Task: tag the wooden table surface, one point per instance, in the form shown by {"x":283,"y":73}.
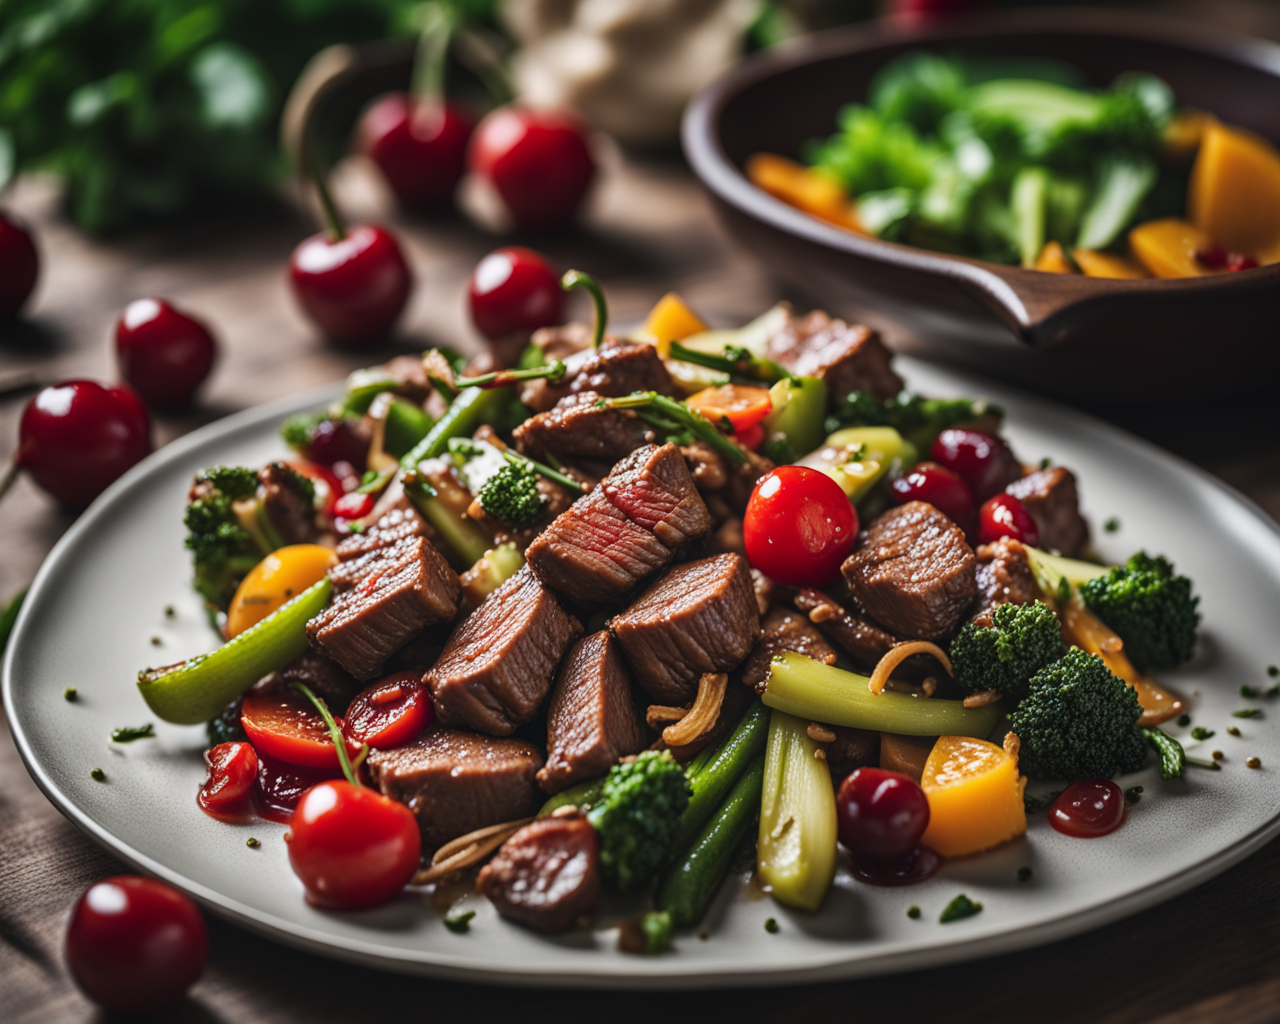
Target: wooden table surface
{"x":1211,"y":954}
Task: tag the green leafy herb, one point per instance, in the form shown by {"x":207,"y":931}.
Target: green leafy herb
{"x":1247,"y":713}
{"x":913,"y":913}
{"x":1133,"y":794}
{"x":1172,"y":757}
{"x":1035,"y":804}
{"x":128,"y":735}
{"x":1273,"y":670}
{"x":459,"y":923}
{"x":252,"y":843}
{"x":1111,"y":525}
{"x":1184,"y":720}
{"x":1201,"y":733}
{"x":1248,"y":692}
{"x":1024,"y":874}
{"x":97,"y":774}
{"x":960,"y":908}
{"x":70,"y":694}
{"x":771,"y":926}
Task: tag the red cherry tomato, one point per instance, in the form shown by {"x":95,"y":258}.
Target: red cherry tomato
{"x":1088,"y":809}
{"x":19,"y":266}
{"x":352,"y":847}
{"x":942,"y":489}
{"x":538,"y":161}
{"x":353,"y":506}
{"x":421,"y":150}
{"x":880,"y":815}
{"x":334,"y":441}
{"x":982,"y":460}
{"x":751,"y":438}
{"x":741,"y":404}
{"x":515,"y":289}
{"x":164,"y":355}
{"x":283,"y":724}
{"x":329,"y":487}
{"x":280,"y":786}
{"x":76,"y":437}
{"x":799,"y":526}
{"x":233,"y":770}
{"x":135,"y":945}
{"x":1005,"y":516}
{"x":354,"y":288}
{"x":389,"y":713}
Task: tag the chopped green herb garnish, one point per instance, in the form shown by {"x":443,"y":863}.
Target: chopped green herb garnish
{"x":1046,"y":462}
{"x":97,"y":774}
{"x":1111,"y":525}
{"x":1133,"y":794}
{"x":656,"y":927}
{"x":252,"y":843}
{"x":1233,"y":730}
{"x":1201,"y":733}
{"x":1184,"y":720}
{"x":771,"y":926}
{"x":459,"y":923}
{"x":70,"y":693}
{"x":170,"y":611}
{"x":913,"y":913}
{"x":128,"y":735}
{"x":1248,"y":692}
{"x":1273,"y":671}
{"x":959,"y":908}
{"x":1196,"y":762}
{"x":1172,"y":757}
{"x":1246,"y":713}
{"x":1253,"y":762}
{"x":1218,"y":755}
{"x":1034,"y":804}
{"x":1024,"y":874}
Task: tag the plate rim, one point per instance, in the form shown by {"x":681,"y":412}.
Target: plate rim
{"x":658,"y":973}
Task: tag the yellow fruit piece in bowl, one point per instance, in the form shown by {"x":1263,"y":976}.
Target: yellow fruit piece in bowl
{"x":975,"y":796}
{"x":1234,"y":195}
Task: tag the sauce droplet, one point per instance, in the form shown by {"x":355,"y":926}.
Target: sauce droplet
{"x":1088,"y":809}
{"x":916,"y":866}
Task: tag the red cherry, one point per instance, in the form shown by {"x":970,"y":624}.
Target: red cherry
{"x":337,"y":440}
{"x":422,"y":152}
{"x":19,"y":265}
{"x":353,"y":288}
{"x":352,"y":847}
{"x":76,"y":437}
{"x":880,"y":815}
{"x":135,"y":945}
{"x":1005,"y":516}
{"x":942,"y":489}
{"x":538,"y":161}
{"x":799,"y":526}
{"x":515,"y":289}
{"x":1241,"y":261}
{"x":164,"y":355}
{"x":1088,"y":809}
{"x":982,"y":460}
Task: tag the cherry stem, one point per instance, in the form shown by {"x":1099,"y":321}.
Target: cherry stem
{"x":10,"y":476}
{"x":576,"y":278}
{"x":332,"y":219}
{"x":483,"y":55}
{"x":431,"y":58}
{"x":335,"y":734}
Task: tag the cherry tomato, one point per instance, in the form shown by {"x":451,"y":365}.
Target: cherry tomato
{"x":283,"y":724}
{"x":135,"y":945}
{"x":354,"y":288}
{"x":389,"y":713}
{"x":280,"y":786}
{"x":942,"y":489}
{"x":353,"y":506}
{"x":352,"y":847}
{"x":233,"y":770}
{"x":1005,"y":516}
{"x":19,"y":265}
{"x":1088,"y":809}
{"x":751,"y":438}
{"x":537,"y":161}
{"x":799,"y":526}
{"x":420,"y":149}
{"x":741,"y":404}
{"x":335,"y":441}
{"x":164,"y":355}
{"x":982,"y":460}
{"x":514,"y":289}
{"x":880,"y":814}
{"x":76,"y":437}
{"x":329,"y":487}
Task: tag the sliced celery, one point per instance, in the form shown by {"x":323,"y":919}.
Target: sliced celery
{"x":796,"y":853}
{"x":1052,"y":570}
{"x":816,"y":692}
{"x":796,"y":420}
{"x":857,"y":458}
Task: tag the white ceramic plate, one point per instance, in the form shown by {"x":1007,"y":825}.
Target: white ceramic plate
{"x":100,"y":599}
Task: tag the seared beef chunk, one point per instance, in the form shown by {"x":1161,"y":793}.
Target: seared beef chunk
{"x":700,"y":617}
{"x":563,"y":340}
{"x":575,"y":430}
{"x":1004,"y":577}
{"x":326,"y":679}
{"x":498,"y":665}
{"x":624,"y":530}
{"x":851,"y":749}
{"x":456,"y":782}
{"x":547,"y":875}
{"x":848,"y":357}
{"x":782,"y":631}
{"x":385,"y":599}
{"x":859,"y":638}
{"x":714,"y":476}
{"x":913,"y":571}
{"x":410,"y":376}
{"x":615,"y":369}
{"x":287,"y":504}
{"x":420,"y":653}
{"x":394,"y":525}
{"x":592,"y":720}
{"x":1051,"y":499}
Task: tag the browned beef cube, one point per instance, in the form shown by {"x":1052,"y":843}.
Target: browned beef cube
{"x":592,"y":720}
{"x":403,"y":589}
{"x":326,"y":679}
{"x":615,"y":369}
{"x":782,"y":631}
{"x":547,"y":875}
{"x":1051,"y":499}
{"x":285,"y":503}
{"x":913,"y":571}
{"x":623,"y":531}
{"x":700,"y":617}
{"x":394,"y":525}
{"x":1004,"y":576}
{"x":575,"y":430}
{"x":499,"y":663}
{"x":713,"y":474}
{"x":563,"y":340}
{"x":456,"y":782}
{"x":848,"y":357}
{"x":859,"y":638}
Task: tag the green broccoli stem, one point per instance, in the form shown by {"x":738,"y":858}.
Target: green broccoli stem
{"x":691,"y":884}
{"x":1173,"y":759}
{"x":581,"y":795}
{"x":199,"y":689}
{"x":469,"y":410}
{"x":577,"y":279}
{"x":670,"y":411}
{"x":552,"y":371}
{"x":736,"y":361}
{"x":335,"y":734}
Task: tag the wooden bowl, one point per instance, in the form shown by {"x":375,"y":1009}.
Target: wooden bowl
{"x":1068,"y":335}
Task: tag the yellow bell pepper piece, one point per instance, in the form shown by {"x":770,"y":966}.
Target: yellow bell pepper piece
{"x":1168,"y":247}
{"x":975,"y":796}
{"x":277,"y":579}
{"x":1234,"y":195}
{"x":813,"y":192}
{"x":1104,"y":264}
{"x":672,"y":320}
{"x":1183,"y":133}
{"x":1052,"y":260}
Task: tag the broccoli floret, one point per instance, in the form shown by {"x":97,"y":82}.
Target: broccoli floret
{"x":300,"y":428}
{"x":1022,"y":639}
{"x":223,"y":551}
{"x":511,"y":495}
{"x":1078,"y":721}
{"x":637,"y":817}
{"x":1150,"y":607}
